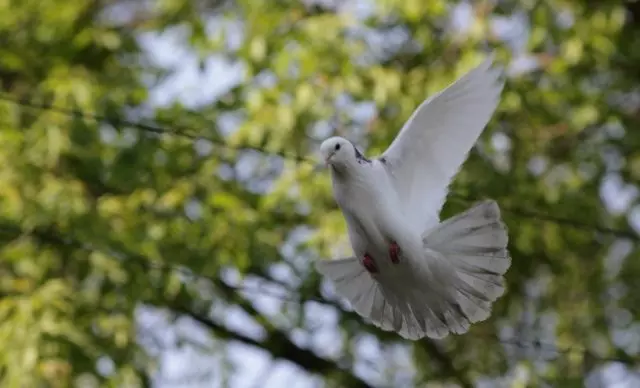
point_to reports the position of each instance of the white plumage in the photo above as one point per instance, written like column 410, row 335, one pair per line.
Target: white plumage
column 447, row 274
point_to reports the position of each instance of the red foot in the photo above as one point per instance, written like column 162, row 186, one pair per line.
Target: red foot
column 394, row 252
column 369, row 264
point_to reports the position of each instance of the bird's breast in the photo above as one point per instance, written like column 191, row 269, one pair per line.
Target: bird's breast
column 367, row 208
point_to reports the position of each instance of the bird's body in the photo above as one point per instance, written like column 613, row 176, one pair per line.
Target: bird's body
column 376, row 218
column 412, row 273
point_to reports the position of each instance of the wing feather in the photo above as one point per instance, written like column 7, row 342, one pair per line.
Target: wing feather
column 435, row 141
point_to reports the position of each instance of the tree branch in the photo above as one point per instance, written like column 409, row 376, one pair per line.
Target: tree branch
column 280, row 346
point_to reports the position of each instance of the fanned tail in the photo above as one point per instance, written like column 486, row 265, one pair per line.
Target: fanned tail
column 474, row 242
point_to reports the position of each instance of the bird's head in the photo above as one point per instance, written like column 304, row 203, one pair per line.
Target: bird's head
column 338, row 152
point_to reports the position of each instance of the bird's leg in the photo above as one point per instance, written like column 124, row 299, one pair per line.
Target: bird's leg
column 369, row 264
column 394, row 252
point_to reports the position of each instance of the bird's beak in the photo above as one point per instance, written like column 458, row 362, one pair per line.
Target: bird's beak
column 321, row 166
column 328, row 158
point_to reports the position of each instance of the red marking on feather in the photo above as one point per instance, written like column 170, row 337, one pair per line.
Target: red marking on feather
column 369, row 264
column 394, row 252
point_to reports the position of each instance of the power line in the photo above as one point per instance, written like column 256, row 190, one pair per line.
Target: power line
column 146, row 127
column 190, row 134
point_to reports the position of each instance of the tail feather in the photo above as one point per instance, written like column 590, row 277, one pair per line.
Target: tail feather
column 364, row 294
column 351, row 281
column 412, row 313
column 475, row 242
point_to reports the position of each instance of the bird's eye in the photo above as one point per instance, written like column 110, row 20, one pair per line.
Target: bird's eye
column 337, row 146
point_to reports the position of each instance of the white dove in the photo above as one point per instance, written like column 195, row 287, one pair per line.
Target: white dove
column 412, row 273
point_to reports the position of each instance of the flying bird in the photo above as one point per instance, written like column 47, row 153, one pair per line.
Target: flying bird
column 412, row 273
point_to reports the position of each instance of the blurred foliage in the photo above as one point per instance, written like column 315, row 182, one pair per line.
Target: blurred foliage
column 107, row 225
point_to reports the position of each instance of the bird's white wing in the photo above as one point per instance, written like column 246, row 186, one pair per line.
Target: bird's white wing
column 435, row 141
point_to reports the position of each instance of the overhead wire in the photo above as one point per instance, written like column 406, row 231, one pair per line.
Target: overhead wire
column 117, row 121
column 190, row 134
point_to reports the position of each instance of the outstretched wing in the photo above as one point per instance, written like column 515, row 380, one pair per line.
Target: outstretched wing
column 435, row 141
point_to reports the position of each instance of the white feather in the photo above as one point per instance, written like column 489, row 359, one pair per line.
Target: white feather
column 435, row 141
column 380, row 304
